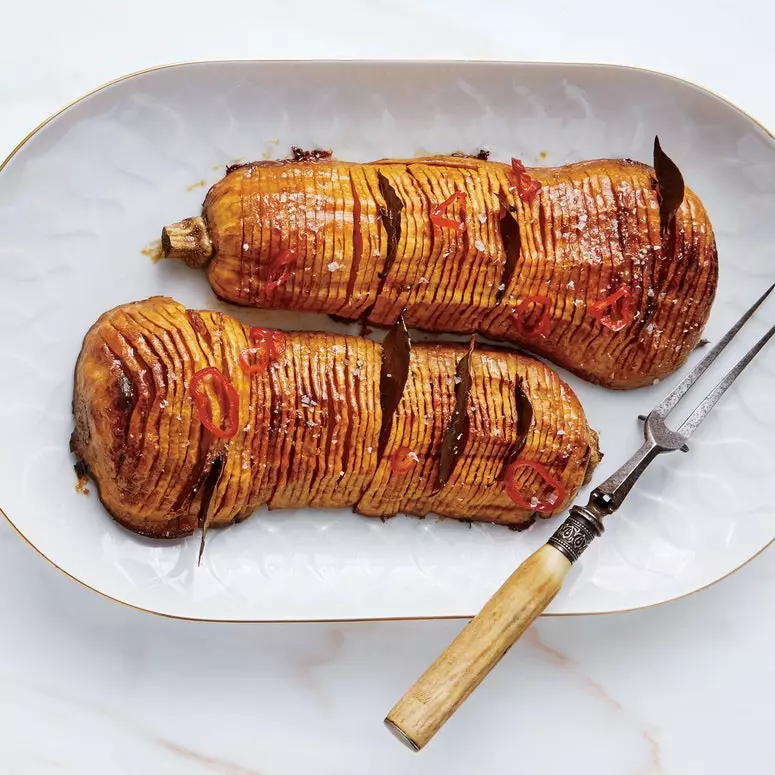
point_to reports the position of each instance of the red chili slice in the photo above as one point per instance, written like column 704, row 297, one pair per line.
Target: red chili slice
column 439, row 220
column 616, row 310
column 521, row 314
column 403, row 460
column 280, row 269
column 545, row 506
column 254, row 360
column 268, row 347
column 524, row 185
column 227, row 397
column 275, row 341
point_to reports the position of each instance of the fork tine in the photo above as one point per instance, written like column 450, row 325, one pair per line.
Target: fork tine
column 678, row 392
column 690, row 424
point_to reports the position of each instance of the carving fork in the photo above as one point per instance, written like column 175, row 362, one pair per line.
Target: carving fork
column 423, row 710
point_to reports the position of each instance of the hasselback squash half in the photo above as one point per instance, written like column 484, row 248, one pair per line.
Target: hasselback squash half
column 189, row 419
column 607, row 267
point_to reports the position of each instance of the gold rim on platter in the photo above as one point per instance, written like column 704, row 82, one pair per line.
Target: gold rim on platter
column 170, row 65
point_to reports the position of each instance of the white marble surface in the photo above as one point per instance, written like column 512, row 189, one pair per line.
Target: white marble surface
column 88, row 686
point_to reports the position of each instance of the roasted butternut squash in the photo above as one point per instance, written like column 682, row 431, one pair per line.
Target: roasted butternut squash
column 189, row 419
column 581, row 264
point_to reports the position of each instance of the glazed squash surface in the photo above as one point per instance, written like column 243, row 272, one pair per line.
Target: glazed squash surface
column 184, row 422
column 580, row 268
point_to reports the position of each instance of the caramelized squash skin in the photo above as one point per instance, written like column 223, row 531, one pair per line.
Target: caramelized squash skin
column 308, row 425
column 365, row 244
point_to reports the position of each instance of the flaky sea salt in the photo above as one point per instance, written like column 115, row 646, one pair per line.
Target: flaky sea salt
column 502, row 287
column 479, row 245
column 423, row 281
column 413, row 456
column 482, row 217
column 245, row 247
column 333, row 266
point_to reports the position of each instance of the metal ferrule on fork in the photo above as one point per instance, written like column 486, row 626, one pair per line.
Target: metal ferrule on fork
column 577, row 532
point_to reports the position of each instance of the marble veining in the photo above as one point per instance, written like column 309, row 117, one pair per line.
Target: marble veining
column 595, row 689
column 206, row 762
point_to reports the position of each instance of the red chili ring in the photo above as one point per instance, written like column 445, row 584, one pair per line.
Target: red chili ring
column 439, row 220
column 268, row 347
column 276, row 341
column 280, row 269
column 524, row 185
column 227, row 391
column 597, row 309
column 543, row 507
column 543, row 327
